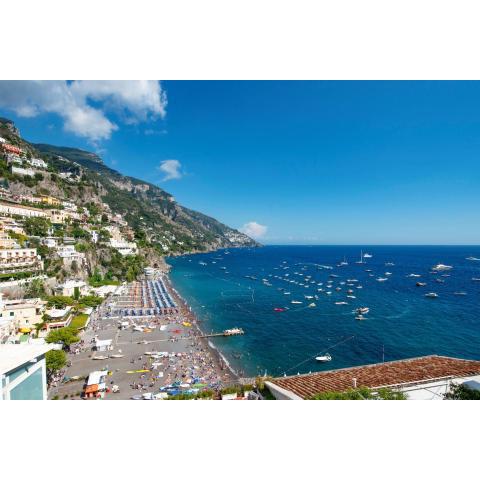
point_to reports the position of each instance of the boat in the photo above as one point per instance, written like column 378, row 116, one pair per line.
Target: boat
column 473, row 259
column 117, row 355
column 296, row 302
column 414, row 275
column 439, row 280
column 381, row 279
column 343, row 263
column 362, row 310
column 431, row 295
column 388, row 273
column 202, row 263
column 278, row 309
column 460, row 293
column 440, row 267
column 233, row 331
column 341, row 303
column 100, row 357
column 361, row 258
column 367, row 255
column 360, row 317
column 351, row 296
column 475, row 279
column 420, row 284
column 324, row 358
column 389, row 264
column 312, row 305
column 308, row 297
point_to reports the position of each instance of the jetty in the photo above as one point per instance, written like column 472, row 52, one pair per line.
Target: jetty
column 226, row 333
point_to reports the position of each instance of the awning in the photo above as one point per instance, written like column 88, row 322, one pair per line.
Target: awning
column 91, row 388
column 25, row 330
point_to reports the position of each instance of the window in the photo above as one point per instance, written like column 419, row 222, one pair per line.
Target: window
column 30, row 389
column 12, row 314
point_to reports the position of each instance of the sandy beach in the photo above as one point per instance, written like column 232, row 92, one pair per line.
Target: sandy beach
column 184, row 360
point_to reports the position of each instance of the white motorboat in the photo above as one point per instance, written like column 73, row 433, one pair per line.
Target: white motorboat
column 431, row 295
column 440, row 267
column 473, row 259
column 362, row 310
column 296, row 302
column 324, row 358
column 381, row 279
column 341, row 303
column 312, row 305
column 367, row 255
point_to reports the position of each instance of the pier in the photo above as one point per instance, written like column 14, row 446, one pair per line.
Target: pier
column 226, row 333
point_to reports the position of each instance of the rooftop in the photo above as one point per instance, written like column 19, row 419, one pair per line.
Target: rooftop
column 13, row 356
column 388, row 374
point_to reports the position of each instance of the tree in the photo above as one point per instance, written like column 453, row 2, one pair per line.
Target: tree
column 78, row 232
column 74, row 267
column 65, row 335
column 362, row 393
column 55, row 360
column 462, row 392
column 36, row 288
column 60, row 301
column 76, row 293
column 37, row 226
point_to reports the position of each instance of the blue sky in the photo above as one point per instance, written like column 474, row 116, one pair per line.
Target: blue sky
column 312, row 162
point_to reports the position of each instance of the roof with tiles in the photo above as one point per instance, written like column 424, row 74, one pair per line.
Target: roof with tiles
column 389, row 374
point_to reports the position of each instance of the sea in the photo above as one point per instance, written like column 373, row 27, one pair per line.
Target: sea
column 246, row 288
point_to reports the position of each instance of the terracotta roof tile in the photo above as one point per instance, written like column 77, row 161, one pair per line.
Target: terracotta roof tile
column 412, row 370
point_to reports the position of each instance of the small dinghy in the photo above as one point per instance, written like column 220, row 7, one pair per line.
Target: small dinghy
column 324, row 358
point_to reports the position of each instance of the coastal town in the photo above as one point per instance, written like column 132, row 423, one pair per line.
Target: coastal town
column 87, row 309
column 117, row 335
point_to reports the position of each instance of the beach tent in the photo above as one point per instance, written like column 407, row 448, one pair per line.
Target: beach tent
column 103, row 345
column 97, row 377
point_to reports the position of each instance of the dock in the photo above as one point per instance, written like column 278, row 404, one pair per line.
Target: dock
column 226, row 333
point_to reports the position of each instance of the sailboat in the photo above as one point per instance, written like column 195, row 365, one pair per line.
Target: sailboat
column 344, row 263
column 361, row 258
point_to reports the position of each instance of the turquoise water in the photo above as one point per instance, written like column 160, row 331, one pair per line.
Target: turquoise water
column 401, row 323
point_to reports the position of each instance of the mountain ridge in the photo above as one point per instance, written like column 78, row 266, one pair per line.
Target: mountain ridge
column 155, row 216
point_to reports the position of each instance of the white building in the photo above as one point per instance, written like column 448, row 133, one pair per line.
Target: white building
column 68, row 252
column 14, row 260
column 25, row 172
column 37, row 162
column 422, row 378
column 23, row 372
column 68, row 288
column 12, row 209
column 23, row 315
column 123, row 247
column 50, row 242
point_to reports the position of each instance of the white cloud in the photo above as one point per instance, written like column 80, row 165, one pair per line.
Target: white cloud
column 254, row 230
column 133, row 101
column 172, row 169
